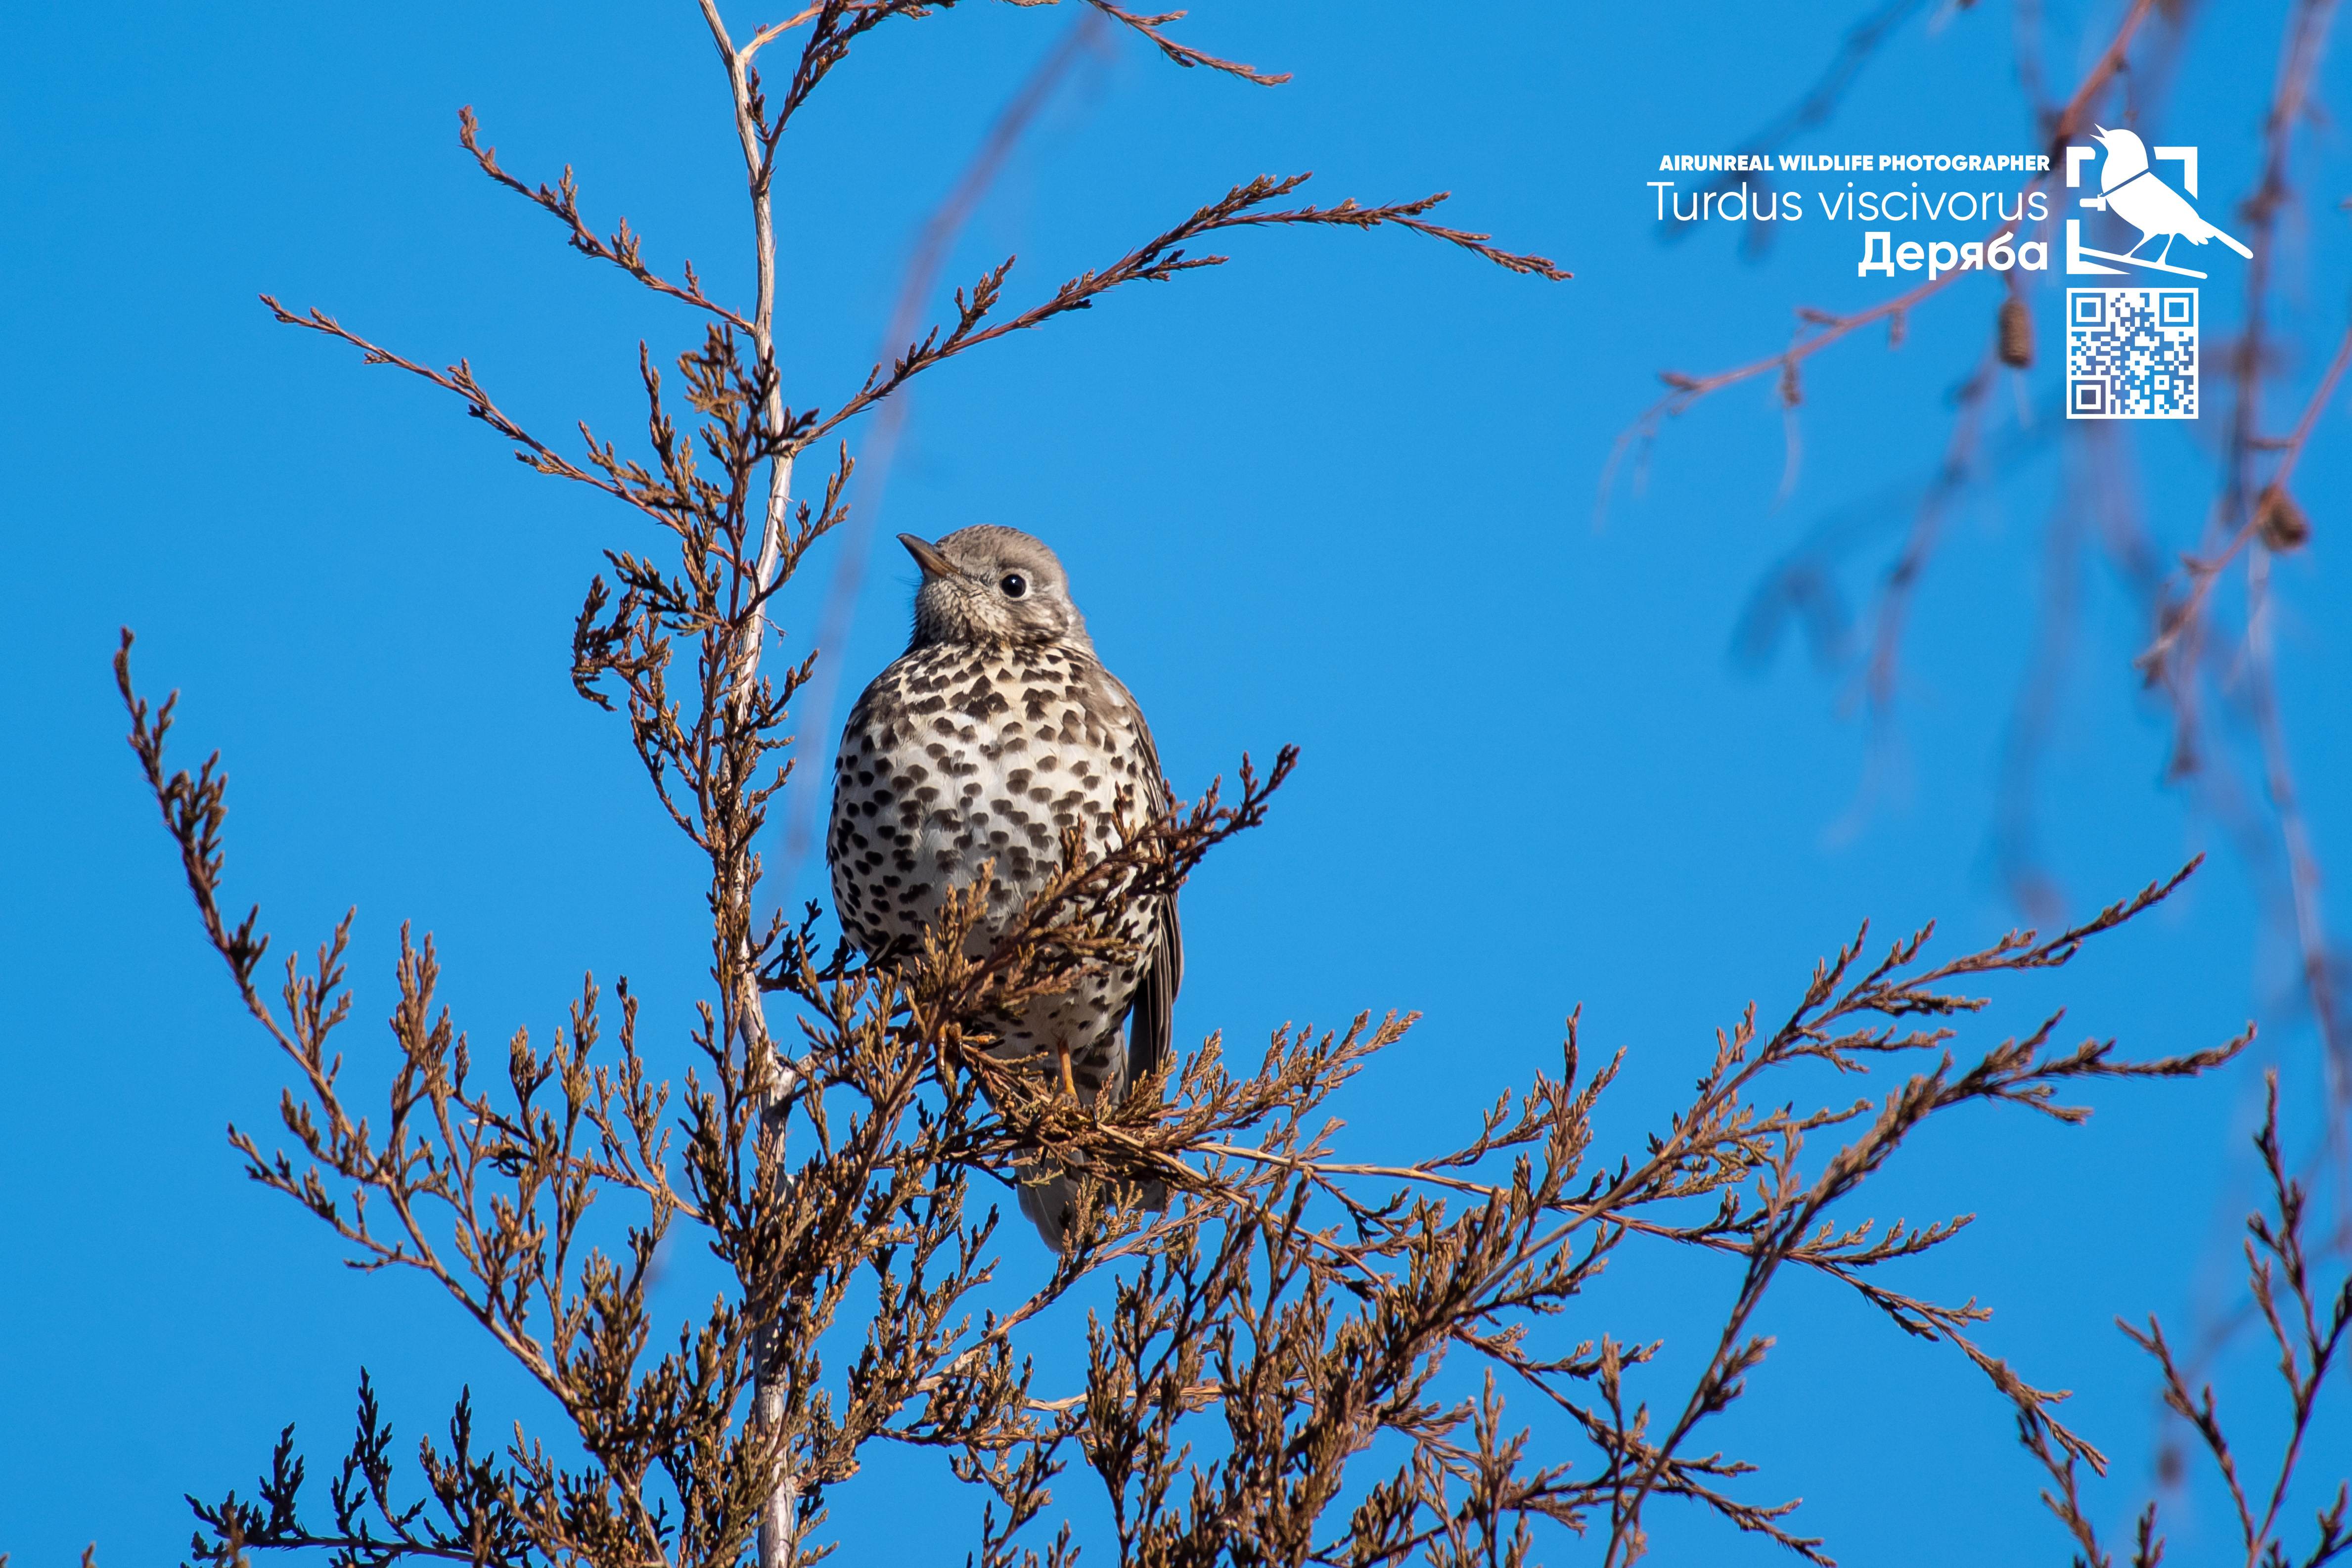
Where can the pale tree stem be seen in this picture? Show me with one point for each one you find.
(779, 1535)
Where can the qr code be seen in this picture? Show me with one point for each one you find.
(2131, 353)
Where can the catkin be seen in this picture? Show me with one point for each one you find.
(2016, 334)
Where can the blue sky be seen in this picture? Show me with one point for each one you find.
(1340, 493)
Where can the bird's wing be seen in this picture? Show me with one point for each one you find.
(2156, 208)
(1151, 1023)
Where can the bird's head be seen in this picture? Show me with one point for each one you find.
(992, 584)
(2127, 153)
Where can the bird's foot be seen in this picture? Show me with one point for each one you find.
(1069, 1080)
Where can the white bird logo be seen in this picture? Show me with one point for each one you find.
(2132, 191)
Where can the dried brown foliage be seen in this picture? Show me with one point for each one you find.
(1305, 1359)
(2312, 1328)
(1292, 1309)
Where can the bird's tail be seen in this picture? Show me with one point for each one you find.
(1050, 1202)
(2229, 241)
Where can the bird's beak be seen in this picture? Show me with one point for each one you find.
(927, 555)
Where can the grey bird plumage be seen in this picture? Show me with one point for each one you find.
(997, 729)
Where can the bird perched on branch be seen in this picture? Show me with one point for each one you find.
(2132, 191)
(995, 731)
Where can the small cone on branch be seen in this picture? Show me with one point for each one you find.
(2280, 520)
(2016, 334)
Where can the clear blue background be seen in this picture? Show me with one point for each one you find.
(1338, 493)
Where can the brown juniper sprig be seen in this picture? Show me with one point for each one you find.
(1303, 1306)
(1156, 261)
(712, 742)
(623, 250)
(2312, 1330)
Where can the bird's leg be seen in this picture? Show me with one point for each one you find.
(1069, 1082)
(2166, 253)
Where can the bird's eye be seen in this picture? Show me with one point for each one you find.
(1014, 584)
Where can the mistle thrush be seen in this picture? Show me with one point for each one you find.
(993, 733)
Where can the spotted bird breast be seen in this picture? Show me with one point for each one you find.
(958, 757)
